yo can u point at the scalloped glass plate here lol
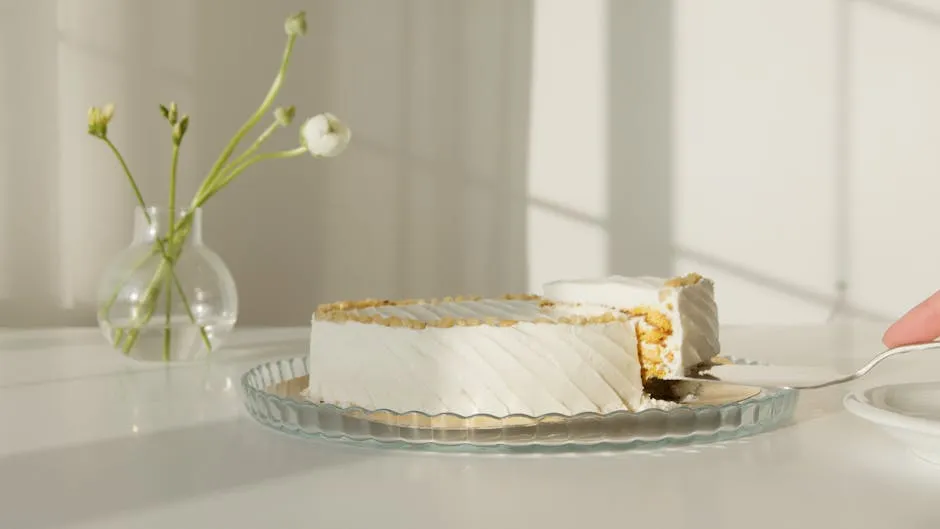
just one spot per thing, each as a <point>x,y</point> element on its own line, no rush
<point>715,412</point>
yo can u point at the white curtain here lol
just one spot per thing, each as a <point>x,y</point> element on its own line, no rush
<point>421,204</point>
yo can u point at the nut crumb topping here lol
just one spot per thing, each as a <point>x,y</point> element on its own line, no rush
<point>684,281</point>
<point>345,311</point>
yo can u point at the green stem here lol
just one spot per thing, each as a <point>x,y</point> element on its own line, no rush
<point>179,290</point>
<point>253,147</point>
<point>149,301</point>
<point>209,183</point>
<point>168,330</point>
<point>130,177</point>
<point>174,162</point>
<point>227,178</point>
<point>181,231</point>
<point>253,120</point>
<point>117,292</point>
<point>183,225</point>
<point>159,244</point>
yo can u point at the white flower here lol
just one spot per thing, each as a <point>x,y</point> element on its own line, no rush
<point>324,135</point>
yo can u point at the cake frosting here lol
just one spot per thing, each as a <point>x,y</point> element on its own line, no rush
<point>513,355</point>
<point>676,319</point>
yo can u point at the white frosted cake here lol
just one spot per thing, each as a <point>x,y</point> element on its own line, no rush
<point>676,319</point>
<point>515,355</point>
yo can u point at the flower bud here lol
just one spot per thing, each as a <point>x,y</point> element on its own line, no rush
<point>107,112</point>
<point>284,115</point>
<point>172,113</point>
<point>325,136</point>
<point>179,130</point>
<point>98,120</point>
<point>296,24</point>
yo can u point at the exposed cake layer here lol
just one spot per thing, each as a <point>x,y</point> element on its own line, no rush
<point>676,319</point>
<point>473,355</point>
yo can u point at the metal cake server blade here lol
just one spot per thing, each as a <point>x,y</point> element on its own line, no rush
<point>770,376</point>
<point>796,377</point>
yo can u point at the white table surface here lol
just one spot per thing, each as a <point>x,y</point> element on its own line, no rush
<point>93,440</point>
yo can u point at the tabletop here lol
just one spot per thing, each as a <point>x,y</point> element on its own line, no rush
<point>94,440</point>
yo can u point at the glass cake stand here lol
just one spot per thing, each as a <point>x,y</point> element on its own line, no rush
<point>715,412</point>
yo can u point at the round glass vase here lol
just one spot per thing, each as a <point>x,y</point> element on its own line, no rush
<point>167,297</point>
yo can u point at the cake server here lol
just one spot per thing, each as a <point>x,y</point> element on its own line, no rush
<point>796,377</point>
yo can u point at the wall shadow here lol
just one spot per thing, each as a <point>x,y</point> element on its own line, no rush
<point>29,166</point>
<point>641,135</point>
<point>839,306</point>
<point>429,200</point>
<point>910,10</point>
<point>264,225</point>
<point>426,201</point>
<point>66,208</point>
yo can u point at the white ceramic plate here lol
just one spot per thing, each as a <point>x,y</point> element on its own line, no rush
<point>908,412</point>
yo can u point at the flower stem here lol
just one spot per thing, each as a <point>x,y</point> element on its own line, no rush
<point>174,162</point>
<point>149,301</point>
<point>167,331</point>
<point>130,177</point>
<point>253,120</point>
<point>209,183</point>
<point>251,149</point>
<point>179,290</point>
<point>114,296</point>
<point>182,226</point>
<point>158,247</point>
<point>227,178</point>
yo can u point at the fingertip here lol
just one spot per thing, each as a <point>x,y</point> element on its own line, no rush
<point>890,337</point>
<point>920,324</point>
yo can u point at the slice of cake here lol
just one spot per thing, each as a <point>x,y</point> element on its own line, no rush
<point>518,355</point>
<point>676,319</point>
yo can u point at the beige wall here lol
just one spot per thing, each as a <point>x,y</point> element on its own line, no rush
<point>780,146</point>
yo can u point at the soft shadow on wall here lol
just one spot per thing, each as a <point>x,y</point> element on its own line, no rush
<point>641,50</point>
<point>794,156</point>
<point>65,204</point>
<point>268,225</point>
<point>599,177</point>
<point>430,200</point>
<point>489,154</point>
<point>30,282</point>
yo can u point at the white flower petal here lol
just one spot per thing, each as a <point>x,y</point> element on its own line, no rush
<point>324,135</point>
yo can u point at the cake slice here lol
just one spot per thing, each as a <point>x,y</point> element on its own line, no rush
<point>676,319</point>
<point>517,355</point>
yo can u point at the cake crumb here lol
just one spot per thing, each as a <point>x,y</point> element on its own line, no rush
<point>650,403</point>
<point>684,281</point>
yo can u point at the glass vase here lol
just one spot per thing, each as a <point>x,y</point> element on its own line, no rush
<point>167,297</point>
